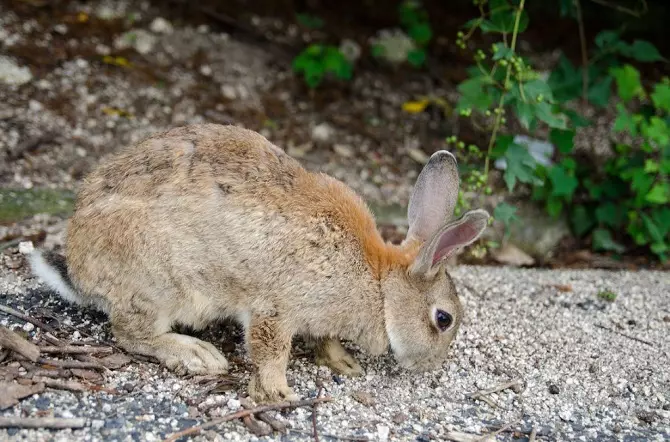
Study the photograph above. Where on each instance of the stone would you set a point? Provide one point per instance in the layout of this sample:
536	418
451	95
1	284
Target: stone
510	254
13	74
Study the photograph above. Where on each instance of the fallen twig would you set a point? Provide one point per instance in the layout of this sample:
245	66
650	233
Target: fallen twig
497	389
533	435
77	349
240	414
18	344
264	417
60	384
41	422
35	322
70	364
315	431
625	335
332	436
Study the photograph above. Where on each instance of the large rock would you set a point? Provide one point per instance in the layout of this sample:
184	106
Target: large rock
537	233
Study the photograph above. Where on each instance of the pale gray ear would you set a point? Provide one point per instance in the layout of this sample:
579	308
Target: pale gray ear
434	196
455	235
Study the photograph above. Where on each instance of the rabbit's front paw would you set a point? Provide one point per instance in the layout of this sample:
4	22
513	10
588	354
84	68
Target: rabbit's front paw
188	355
329	352
270	390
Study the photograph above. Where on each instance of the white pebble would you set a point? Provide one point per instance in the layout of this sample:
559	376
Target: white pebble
26	247
233	404
28	327
383	432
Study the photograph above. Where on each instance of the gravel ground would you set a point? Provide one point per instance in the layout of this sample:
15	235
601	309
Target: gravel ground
589	369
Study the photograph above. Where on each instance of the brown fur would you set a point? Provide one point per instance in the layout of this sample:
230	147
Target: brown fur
206	222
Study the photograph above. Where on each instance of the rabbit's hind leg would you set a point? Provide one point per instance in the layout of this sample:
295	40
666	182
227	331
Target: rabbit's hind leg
331	353
148	332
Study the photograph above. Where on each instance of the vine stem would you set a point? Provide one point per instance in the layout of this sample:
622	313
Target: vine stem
585	56
498	111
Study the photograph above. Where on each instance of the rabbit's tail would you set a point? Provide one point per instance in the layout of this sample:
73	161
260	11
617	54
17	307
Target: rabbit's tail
51	268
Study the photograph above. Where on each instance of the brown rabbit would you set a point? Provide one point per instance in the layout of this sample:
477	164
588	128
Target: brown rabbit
206	222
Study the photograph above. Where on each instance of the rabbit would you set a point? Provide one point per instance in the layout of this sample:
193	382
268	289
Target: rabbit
207	222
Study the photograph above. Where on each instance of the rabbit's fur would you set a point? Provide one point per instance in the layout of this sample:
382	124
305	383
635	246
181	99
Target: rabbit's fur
205	222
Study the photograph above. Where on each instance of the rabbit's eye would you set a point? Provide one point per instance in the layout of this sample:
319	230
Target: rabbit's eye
443	320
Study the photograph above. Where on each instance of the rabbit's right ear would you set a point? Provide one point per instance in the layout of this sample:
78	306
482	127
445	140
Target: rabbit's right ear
434	196
449	239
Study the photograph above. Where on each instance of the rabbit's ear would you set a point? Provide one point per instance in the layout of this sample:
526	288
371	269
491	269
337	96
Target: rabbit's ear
434	196
450	238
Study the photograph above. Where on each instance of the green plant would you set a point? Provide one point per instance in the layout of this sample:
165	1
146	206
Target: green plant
499	83
628	201
607	295
594	80
415	21
317	61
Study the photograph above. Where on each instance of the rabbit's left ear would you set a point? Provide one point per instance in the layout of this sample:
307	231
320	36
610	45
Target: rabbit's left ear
449	239
434	196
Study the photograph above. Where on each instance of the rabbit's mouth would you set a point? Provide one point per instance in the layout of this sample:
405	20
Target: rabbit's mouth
421	364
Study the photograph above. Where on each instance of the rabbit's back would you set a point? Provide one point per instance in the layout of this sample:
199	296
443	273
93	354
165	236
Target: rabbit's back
210	209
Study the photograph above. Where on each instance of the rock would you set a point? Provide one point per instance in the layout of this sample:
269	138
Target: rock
363	398
139	39
537	233
350	49
322	133
510	254
395	44
161	26
344	150
383	432
229	92
538	149
418	155
13	74
234	404
399	418
26	247
553	389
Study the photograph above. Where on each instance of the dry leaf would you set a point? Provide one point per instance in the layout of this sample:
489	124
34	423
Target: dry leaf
414	107
11	393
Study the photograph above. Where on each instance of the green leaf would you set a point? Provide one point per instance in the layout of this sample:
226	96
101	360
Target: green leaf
652	229
554	206
581	220
520	166
606	38
625	122
661	217
502	51
546	114
377	50
420	33
416	57
642	50
628	82
562	139
657	131
524	112
503	142
602	240
661	97
576	119
505	213
562	183
599	93
659	193
610	214
309	21
474	95
503	17
565	80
